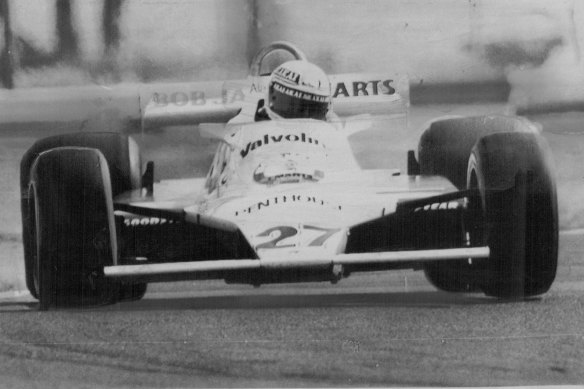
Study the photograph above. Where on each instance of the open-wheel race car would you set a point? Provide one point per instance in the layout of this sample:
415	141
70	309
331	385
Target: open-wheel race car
285	201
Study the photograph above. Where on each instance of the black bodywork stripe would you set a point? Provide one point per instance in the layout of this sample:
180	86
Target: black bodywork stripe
442	198
178	215
415	225
189	237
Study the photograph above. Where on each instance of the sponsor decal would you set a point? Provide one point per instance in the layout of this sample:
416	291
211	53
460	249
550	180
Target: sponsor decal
287	177
267	139
277	234
181	99
287	75
257	88
286	199
231	95
290	77
364	88
299	94
147	221
285	172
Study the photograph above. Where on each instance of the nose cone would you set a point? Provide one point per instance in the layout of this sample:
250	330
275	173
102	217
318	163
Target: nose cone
287	223
293	206
306	241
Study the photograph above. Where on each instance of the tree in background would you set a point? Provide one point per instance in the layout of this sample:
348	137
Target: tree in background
253	38
6	63
67	47
110	25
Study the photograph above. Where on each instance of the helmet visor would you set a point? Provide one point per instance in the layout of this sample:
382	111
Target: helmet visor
294	104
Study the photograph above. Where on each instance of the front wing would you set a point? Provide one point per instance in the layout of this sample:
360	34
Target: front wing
178	271
174	246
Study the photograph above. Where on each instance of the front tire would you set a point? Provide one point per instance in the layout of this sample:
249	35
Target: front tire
73	234
514	175
123	158
132	292
444	150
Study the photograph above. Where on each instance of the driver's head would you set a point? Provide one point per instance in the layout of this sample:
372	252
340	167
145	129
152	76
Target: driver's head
299	89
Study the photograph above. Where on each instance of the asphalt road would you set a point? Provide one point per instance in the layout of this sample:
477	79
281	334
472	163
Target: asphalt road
378	329
381	329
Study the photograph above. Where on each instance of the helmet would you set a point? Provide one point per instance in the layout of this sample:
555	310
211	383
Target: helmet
299	89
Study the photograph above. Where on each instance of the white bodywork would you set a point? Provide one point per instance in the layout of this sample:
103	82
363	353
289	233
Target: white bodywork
292	187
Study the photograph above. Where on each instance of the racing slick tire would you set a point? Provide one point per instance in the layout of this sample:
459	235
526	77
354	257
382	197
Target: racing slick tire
452	277
73	228
132	292
518	202
445	146
123	158
444	149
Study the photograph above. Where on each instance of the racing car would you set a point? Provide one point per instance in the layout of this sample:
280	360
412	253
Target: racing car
286	201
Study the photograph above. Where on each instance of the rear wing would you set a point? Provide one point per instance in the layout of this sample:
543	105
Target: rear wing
353	94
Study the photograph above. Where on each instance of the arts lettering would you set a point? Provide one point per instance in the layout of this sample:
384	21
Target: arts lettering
364	88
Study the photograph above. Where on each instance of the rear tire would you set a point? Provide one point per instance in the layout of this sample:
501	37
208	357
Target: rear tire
514	174
123	158
73	233
445	147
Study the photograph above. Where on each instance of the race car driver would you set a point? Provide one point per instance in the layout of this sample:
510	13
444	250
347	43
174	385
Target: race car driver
298	90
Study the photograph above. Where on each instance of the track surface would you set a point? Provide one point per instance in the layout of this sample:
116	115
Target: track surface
377	329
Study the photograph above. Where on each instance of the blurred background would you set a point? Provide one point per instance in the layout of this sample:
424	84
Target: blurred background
528	48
